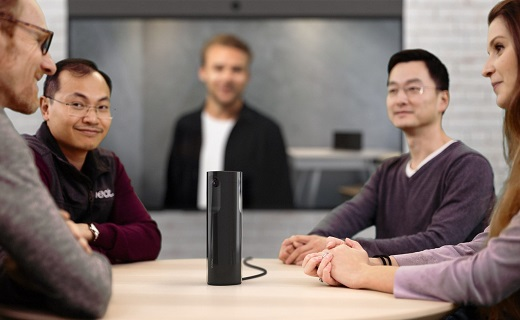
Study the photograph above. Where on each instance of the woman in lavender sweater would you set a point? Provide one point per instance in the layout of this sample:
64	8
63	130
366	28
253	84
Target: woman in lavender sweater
484	272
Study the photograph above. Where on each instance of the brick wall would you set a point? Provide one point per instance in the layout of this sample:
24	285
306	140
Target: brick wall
456	31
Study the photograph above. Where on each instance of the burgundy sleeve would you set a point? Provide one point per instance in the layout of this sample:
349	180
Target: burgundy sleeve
131	234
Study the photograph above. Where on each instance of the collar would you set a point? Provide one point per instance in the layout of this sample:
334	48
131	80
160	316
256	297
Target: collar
410	172
244	113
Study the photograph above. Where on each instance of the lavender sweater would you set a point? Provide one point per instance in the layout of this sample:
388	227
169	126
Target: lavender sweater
468	273
447	201
64	278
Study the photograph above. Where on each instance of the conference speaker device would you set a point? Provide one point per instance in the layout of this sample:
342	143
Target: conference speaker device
224	227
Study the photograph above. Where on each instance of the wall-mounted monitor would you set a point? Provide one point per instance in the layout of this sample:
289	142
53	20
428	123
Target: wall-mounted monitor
319	66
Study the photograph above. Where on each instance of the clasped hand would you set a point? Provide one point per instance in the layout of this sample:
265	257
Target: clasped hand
295	248
341	263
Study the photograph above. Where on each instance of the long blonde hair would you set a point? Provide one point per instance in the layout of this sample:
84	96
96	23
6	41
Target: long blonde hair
509	204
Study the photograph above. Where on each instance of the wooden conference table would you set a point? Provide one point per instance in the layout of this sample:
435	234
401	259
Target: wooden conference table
177	289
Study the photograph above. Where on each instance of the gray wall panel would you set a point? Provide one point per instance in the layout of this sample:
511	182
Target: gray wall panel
314	76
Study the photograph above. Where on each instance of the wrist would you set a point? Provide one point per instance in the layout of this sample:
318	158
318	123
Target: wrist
375	262
384	259
379	278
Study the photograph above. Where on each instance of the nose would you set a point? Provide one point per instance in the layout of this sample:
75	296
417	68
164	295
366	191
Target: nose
401	96
227	75
488	68
91	115
48	65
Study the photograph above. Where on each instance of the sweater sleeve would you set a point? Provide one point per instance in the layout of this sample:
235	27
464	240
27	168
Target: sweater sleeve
131	234
70	282
484	278
353	215
466	202
445	252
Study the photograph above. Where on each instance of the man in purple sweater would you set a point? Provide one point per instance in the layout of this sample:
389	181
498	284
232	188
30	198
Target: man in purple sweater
90	182
439	193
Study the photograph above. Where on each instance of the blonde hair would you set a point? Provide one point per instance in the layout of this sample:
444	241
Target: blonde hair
227	40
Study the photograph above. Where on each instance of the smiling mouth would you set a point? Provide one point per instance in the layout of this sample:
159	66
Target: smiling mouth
89	132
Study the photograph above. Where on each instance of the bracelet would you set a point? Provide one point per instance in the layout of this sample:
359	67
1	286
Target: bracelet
385	259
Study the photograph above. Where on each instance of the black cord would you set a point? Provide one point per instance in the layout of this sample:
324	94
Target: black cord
246	263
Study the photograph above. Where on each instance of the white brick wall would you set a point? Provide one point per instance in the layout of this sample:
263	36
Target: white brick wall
456	31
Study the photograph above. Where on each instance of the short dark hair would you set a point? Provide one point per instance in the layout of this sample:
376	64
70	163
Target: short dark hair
227	40
437	70
78	68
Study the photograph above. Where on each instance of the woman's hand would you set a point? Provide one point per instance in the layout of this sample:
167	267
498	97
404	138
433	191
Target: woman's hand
318	265
348	264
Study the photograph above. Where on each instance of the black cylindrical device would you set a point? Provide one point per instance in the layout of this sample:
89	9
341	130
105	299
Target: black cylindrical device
224	227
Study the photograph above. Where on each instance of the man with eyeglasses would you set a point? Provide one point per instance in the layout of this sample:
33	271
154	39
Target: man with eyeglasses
439	193
45	263
90	182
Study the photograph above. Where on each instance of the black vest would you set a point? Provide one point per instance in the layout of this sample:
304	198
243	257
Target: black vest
88	195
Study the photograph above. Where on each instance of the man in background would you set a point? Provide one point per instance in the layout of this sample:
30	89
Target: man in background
226	133
87	181
45	262
439	193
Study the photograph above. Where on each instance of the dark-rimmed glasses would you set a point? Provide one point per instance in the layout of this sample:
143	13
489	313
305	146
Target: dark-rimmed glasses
45	39
80	110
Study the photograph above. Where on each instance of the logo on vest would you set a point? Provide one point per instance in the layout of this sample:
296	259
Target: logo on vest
102	194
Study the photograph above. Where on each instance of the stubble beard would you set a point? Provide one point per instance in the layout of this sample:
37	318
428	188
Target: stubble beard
229	105
25	101
18	102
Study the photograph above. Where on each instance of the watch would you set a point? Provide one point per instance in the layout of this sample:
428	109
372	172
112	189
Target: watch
94	230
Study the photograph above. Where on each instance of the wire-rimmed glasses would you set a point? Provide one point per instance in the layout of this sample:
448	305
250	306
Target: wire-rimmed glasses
410	91
80	110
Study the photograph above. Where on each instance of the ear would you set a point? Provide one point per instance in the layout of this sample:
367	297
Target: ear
44	108
248	75
444	101
202	74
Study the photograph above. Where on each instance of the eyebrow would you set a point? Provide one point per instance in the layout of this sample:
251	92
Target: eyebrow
82	96
414	80
497	37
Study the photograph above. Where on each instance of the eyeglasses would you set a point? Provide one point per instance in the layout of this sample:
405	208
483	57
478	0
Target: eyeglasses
80	110
45	37
410	90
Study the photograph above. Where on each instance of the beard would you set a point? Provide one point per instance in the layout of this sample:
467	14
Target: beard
25	102
227	104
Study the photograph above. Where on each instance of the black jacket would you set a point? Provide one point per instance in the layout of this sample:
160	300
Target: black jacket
255	146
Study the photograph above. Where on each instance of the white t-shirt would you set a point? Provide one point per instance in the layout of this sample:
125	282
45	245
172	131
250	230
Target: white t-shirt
215	133
410	172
